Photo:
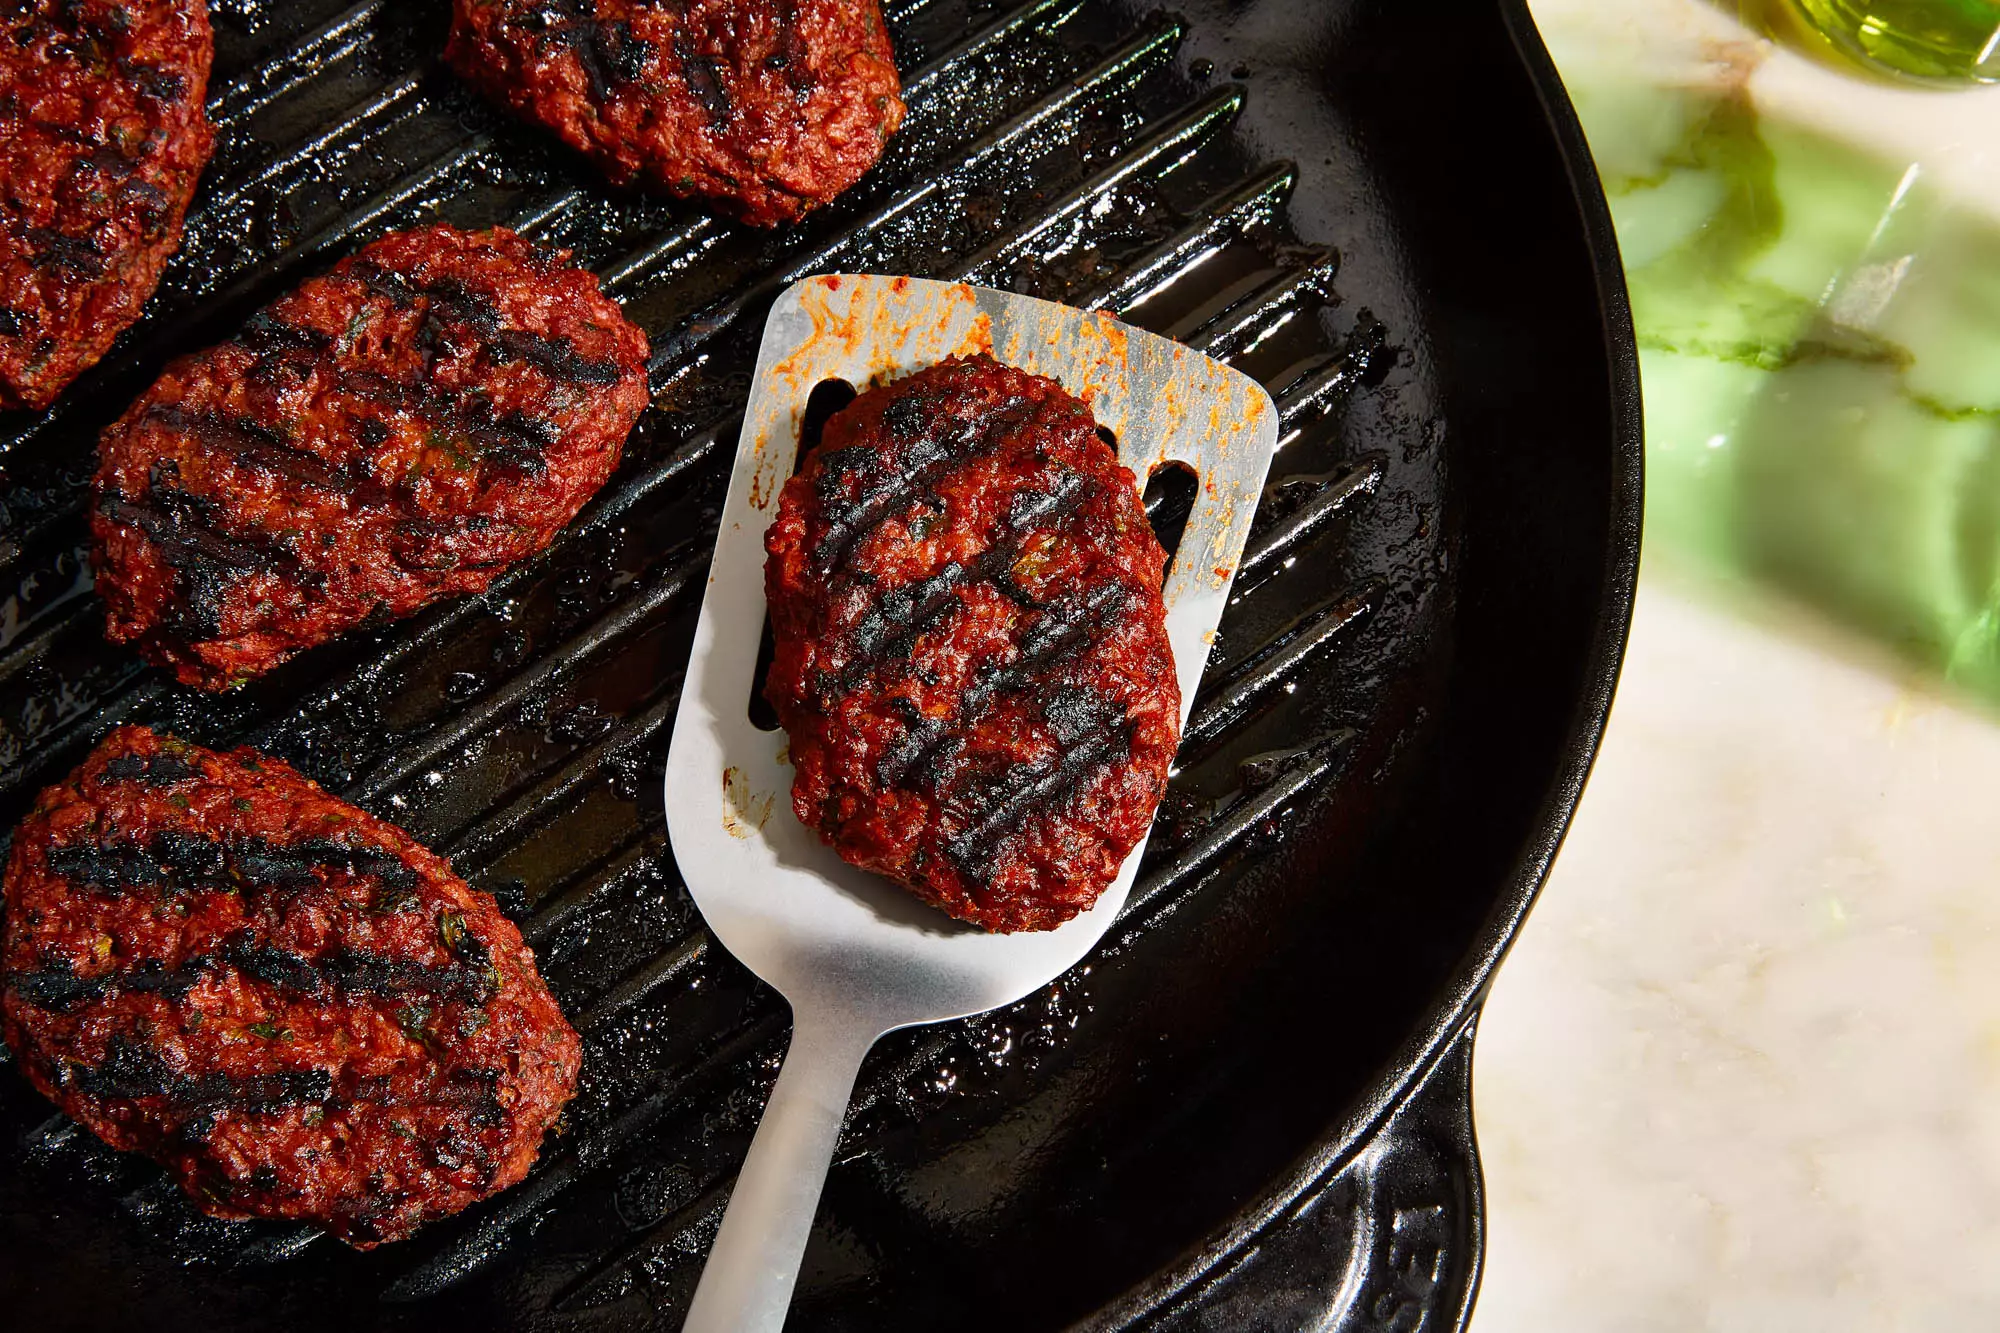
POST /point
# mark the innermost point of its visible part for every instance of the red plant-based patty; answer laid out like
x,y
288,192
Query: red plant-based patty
x,y
403,429
102,137
767,107
288,1003
971,650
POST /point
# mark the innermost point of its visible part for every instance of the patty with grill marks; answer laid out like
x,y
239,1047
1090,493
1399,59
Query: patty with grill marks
x,y
769,108
102,137
403,429
288,1003
971,650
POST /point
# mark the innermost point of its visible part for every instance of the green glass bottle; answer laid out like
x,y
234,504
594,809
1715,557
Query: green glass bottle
x,y
1946,41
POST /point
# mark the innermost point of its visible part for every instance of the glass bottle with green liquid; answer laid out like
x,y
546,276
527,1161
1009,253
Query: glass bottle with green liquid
x,y
1944,41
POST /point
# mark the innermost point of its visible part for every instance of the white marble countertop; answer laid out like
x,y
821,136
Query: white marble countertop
x,y
1742,1070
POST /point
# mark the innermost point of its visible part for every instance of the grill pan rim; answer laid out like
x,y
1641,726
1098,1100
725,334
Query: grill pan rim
x,y
1453,1017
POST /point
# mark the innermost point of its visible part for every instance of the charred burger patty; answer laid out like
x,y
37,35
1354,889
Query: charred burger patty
x,y
971,653
102,137
403,429
290,1004
768,107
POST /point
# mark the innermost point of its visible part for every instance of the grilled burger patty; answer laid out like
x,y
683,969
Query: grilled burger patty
x,y
290,1004
768,107
400,430
102,137
971,649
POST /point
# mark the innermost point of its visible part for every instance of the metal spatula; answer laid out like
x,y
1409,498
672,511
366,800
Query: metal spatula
x,y
855,955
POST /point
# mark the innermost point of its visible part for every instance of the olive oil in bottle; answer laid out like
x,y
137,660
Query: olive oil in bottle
x,y
1947,41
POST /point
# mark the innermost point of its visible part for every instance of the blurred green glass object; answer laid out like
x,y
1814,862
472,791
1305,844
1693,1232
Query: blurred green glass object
x,y
1819,329
1955,41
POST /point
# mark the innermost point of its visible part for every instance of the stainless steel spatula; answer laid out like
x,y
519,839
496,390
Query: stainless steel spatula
x,y
855,955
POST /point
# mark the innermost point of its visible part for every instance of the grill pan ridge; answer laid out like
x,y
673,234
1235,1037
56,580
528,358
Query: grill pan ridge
x,y
1249,1108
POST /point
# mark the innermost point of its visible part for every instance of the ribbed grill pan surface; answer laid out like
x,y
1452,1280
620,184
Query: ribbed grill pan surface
x,y
1018,1170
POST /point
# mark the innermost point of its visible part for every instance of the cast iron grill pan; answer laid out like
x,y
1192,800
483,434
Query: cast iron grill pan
x,y
1248,1109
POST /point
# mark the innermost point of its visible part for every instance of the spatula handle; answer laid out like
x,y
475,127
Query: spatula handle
x,y
747,1285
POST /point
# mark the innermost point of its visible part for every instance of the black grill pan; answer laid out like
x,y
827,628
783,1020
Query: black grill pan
x,y
1250,1109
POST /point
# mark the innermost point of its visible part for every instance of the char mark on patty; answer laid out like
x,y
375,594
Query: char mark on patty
x,y
59,988
78,255
895,620
105,159
296,865
356,972
161,770
555,357
929,444
610,55
513,440
209,561
273,966
185,527
158,85
256,445
791,56
923,757
996,808
347,971
468,976
272,338
384,282
148,201
168,858
129,1071
703,76
451,300
341,971
185,862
